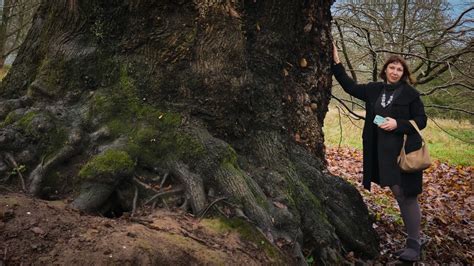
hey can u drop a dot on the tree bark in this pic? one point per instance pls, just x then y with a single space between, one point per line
228 97
6 9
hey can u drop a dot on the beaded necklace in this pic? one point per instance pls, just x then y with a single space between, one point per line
391 87
386 103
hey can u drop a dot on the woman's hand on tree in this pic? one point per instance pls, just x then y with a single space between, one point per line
390 124
335 54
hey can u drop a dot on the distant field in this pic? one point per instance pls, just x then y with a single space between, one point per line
441 145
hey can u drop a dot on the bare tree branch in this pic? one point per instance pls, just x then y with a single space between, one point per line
405 6
344 51
410 54
450 108
450 134
455 23
463 73
439 47
433 90
436 74
347 108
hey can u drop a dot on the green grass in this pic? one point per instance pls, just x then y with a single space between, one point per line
441 145
344 131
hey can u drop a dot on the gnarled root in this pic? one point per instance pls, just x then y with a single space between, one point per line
93 196
37 175
194 188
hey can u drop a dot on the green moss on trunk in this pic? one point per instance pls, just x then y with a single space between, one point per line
153 135
107 166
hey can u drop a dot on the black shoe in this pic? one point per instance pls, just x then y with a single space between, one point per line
412 252
398 252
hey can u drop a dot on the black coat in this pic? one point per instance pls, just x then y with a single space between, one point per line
407 106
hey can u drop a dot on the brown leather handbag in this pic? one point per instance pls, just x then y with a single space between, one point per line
417 160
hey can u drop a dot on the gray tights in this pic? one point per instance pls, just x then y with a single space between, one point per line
410 210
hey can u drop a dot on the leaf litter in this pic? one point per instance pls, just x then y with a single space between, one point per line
446 203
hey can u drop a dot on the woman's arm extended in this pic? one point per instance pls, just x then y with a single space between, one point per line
348 84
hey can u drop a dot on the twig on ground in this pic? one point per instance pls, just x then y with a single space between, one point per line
140 183
245 252
7 189
164 180
141 221
135 198
164 193
221 212
205 210
185 205
165 203
188 234
159 191
12 160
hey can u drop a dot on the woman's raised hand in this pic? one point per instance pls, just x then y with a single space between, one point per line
335 54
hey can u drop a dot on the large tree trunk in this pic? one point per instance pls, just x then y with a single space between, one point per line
225 98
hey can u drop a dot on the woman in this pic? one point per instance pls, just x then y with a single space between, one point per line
398 102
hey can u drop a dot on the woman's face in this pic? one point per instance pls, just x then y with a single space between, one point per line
394 72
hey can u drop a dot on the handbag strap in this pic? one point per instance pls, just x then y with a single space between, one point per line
416 127
419 132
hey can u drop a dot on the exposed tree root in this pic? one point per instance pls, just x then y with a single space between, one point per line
7 106
281 190
353 229
93 196
215 113
103 132
219 163
72 148
194 188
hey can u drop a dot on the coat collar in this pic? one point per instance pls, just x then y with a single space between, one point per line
406 95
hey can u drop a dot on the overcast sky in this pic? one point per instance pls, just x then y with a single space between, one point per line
460 5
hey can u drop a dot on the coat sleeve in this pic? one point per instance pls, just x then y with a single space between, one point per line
348 84
417 113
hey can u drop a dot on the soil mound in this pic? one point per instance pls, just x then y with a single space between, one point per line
34 231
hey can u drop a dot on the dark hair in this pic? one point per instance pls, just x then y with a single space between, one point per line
406 71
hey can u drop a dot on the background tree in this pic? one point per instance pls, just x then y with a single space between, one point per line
216 99
438 44
16 16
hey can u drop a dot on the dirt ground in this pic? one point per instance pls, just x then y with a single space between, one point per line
34 231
